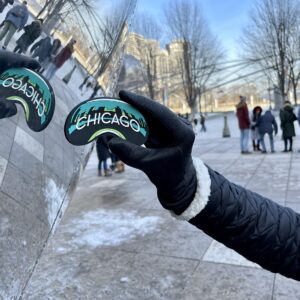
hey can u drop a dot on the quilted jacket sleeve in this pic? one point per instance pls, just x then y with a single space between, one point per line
254 226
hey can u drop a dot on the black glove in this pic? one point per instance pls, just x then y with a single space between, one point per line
13 60
166 160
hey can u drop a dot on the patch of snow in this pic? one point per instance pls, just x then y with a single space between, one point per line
108 228
12 292
124 280
108 182
54 195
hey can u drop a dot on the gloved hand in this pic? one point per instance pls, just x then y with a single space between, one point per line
12 60
166 160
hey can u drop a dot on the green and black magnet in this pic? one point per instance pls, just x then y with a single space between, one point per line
32 91
109 116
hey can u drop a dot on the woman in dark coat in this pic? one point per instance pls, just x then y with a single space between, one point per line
31 33
256 113
287 118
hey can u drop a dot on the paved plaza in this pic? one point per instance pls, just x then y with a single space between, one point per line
116 242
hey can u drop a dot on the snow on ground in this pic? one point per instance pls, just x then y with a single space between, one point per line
106 228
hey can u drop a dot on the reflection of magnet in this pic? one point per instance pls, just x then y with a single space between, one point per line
108 116
32 91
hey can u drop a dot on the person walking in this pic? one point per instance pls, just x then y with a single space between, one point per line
42 50
96 89
103 154
31 33
15 19
4 3
202 122
266 124
85 80
256 113
60 59
45 51
287 118
242 114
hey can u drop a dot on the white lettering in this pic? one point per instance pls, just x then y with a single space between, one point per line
103 118
78 122
42 104
32 92
17 84
137 125
8 82
123 122
90 120
115 119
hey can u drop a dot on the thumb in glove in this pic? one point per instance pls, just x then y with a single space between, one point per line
166 159
13 60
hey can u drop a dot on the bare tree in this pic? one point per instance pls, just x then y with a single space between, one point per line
267 41
200 49
293 54
147 45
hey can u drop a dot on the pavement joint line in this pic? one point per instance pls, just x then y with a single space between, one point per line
288 179
273 289
255 170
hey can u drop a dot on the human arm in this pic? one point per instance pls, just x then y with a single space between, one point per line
35 45
24 19
252 225
13 60
275 126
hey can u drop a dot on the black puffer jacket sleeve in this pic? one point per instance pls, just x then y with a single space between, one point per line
254 226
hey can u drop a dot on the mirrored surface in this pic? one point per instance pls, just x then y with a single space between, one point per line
79 45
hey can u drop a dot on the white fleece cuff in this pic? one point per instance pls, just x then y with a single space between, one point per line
202 192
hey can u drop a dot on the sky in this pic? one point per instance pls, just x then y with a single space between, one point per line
226 18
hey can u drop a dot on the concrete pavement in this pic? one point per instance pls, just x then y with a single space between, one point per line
116 242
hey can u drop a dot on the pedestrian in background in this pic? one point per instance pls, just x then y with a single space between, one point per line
41 50
287 118
60 59
4 3
15 19
96 89
242 114
31 33
256 113
266 124
103 154
202 122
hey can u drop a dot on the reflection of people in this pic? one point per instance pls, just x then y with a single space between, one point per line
86 78
4 3
15 19
287 118
60 59
97 87
244 124
103 155
31 33
259 229
202 122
